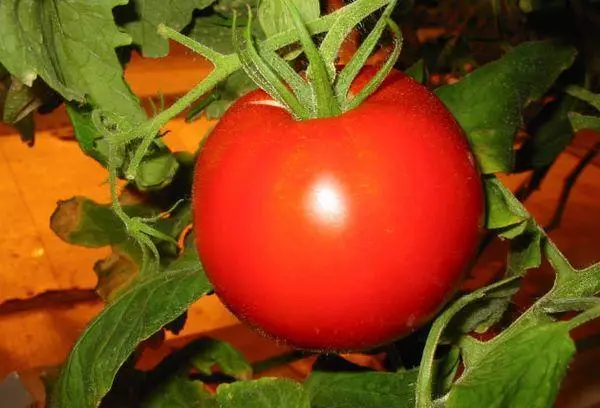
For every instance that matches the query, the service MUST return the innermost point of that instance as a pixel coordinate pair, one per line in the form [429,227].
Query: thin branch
[153,126]
[193,45]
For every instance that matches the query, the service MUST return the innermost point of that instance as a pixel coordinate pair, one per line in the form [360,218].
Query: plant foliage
[496,92]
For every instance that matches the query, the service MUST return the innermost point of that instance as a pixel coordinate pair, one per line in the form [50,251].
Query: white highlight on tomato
[326,202]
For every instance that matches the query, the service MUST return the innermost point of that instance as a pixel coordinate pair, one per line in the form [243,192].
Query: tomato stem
[319,78]
[380,76]
[358,60]
[263,75]
[324,93]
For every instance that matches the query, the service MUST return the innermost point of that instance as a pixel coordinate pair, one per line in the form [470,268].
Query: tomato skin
[338,233]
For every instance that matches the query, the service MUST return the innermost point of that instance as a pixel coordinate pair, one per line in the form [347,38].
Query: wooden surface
[46,285]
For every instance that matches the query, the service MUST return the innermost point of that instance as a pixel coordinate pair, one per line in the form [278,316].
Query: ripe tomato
[338,233]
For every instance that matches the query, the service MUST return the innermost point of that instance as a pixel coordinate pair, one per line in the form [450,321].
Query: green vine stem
[380,76]
[265,76]
[137,227]
[225,65]
[353,67]
[572,287]
[424,387]
[317,73]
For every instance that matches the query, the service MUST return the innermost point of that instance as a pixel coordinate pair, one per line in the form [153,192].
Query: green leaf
[175,14]
[417,71]
[424,387]
[480,315]
[115,333]
[227,8]
[84,222]
[571,283]
[116,272]
[20,102]
[263,393]
[90,140]
[504,212]
[584,95]
[214,31]
[81,221]
[234,87]
[363,389]
[493,150]
[17,103]
[274,18]
[581,122]
[551,138]
[71,46]
[488,102]
[216,109]
[445,371]
[570,304]
[179,218]
[522,371]
[525,251]
[213,352]
[49,377]
[180,392]
[157,169]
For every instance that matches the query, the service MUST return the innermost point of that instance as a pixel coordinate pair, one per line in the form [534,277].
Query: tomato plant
[337,207]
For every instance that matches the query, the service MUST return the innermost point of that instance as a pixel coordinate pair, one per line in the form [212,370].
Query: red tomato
[338,233]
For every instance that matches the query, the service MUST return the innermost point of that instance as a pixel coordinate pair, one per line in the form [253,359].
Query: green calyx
[322,92]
